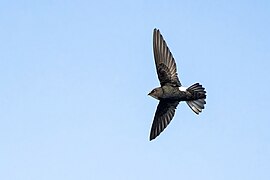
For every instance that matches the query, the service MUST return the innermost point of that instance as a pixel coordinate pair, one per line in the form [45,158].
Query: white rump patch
[182,88]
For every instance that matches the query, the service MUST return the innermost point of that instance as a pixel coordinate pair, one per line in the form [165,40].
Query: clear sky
[75,75]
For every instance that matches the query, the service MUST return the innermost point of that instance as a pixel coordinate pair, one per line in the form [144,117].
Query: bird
[171,92]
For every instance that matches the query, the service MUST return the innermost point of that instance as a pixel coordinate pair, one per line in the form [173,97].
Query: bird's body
[171,92]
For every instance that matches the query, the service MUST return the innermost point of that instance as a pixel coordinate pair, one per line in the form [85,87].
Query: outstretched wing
[163,116]
[165,63]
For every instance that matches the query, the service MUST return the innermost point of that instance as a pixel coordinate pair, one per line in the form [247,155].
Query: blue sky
[75,76]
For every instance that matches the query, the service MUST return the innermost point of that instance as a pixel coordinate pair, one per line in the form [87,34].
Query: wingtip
[156,30]
[152,135]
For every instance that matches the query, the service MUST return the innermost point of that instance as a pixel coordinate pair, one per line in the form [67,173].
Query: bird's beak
[150,94]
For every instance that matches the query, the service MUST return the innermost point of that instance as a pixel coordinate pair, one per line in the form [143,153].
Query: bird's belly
[179,96]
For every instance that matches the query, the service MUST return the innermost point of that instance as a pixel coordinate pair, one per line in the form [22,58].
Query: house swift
[171,92]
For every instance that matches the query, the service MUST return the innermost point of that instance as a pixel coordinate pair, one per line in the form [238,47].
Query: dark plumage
[171,91]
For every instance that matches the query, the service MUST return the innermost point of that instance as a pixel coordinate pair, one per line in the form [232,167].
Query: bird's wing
[163,116]
[165,63]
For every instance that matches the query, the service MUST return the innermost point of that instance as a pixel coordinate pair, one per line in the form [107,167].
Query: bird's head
[156,93]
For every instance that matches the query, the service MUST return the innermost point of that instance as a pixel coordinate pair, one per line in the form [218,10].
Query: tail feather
[199,94]
[194,107]
[198,104]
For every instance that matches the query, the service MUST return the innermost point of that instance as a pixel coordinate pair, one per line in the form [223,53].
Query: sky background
[74,79]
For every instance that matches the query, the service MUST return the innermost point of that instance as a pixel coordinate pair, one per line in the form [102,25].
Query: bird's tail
[199,95]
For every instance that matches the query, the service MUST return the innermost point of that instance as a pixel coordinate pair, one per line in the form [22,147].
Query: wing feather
[163,116]
[165,63]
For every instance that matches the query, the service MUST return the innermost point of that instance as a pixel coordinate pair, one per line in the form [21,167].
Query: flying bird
[171,92]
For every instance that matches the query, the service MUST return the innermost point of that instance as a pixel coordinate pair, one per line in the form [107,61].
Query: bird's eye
[153,91]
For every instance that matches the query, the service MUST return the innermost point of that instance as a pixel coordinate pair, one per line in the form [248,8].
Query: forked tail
[199,94]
